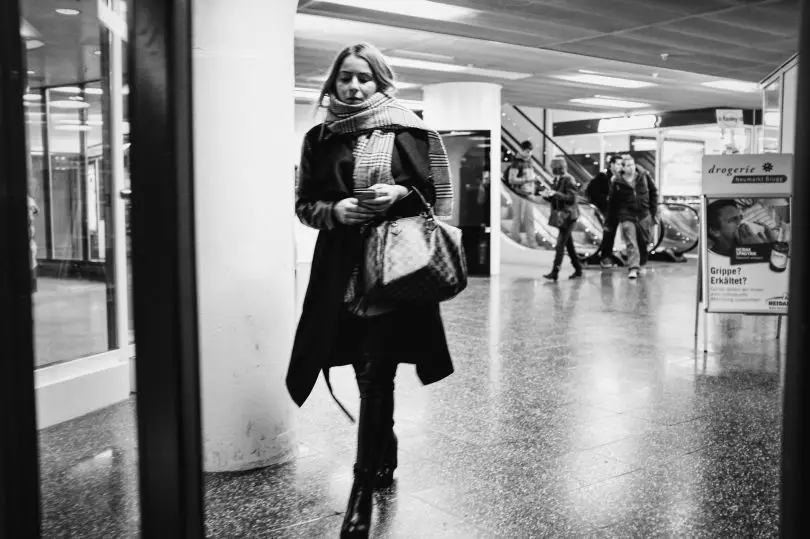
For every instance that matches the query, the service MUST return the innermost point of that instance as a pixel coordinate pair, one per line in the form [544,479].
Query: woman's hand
[387,195]
[349,212]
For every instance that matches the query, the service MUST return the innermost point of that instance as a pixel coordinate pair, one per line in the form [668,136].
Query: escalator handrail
[697,216]
[580,168]
[596,211]
[547,177]
[513,145]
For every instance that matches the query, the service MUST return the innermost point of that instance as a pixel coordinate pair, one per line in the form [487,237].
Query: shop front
[669,145]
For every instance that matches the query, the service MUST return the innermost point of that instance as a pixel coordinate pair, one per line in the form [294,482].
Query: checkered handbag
[414,260]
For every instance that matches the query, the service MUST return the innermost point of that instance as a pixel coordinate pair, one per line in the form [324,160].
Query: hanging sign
[745,232]
[729,118]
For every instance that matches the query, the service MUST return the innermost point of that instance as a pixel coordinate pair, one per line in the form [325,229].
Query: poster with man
[746,233]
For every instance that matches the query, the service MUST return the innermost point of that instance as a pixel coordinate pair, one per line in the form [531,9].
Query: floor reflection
[578,409]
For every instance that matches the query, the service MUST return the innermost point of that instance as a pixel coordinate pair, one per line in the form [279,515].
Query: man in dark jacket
[633,204]
[598,192]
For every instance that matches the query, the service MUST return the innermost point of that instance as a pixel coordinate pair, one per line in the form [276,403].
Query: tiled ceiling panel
[319,38]
[746,38]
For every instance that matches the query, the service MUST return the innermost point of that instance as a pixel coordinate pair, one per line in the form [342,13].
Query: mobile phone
[365,194]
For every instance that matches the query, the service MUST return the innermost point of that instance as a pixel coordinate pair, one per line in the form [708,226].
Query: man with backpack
[522,179]
[633,206]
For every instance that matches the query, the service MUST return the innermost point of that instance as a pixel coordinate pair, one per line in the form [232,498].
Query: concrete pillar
[244,154]
[472,106]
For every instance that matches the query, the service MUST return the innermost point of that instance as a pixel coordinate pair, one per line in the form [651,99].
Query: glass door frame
[19,442]
[168,407]
[72,388]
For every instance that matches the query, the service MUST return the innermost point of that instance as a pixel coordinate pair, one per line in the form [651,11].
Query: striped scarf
[377,119]
[375,122]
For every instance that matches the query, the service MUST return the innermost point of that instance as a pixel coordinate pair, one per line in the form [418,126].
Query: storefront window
[74,111]
[771,117]
[70,185]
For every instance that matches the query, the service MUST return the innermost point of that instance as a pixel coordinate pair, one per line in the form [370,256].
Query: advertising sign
[745,239]
[729,118]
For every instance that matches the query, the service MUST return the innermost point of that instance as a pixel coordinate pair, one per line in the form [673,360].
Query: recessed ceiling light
[425,64]
[423,55]
[732,85]
[68,12]
[423,9]
[97,52]
[456,68]
[32,97]
[32,72]
[602,80]
[72,90]
[73,128]
[68,104]
[600,101]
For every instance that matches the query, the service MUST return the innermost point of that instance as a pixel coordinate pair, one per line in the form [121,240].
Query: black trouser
[375,369]
[565,241]
[608,240]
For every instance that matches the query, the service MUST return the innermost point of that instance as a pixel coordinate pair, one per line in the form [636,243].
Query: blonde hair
[382,72]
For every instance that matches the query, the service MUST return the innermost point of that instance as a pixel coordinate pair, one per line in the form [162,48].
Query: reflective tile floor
[578,409]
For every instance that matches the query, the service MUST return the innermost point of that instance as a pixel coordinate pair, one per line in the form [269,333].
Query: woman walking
[564,215]
[362,164]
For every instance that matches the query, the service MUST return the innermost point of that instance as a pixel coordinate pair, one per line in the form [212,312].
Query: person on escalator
[598,192]
[522,179]
[633,205]
[564,215]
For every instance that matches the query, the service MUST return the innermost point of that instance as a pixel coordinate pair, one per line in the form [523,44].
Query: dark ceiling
[740,39]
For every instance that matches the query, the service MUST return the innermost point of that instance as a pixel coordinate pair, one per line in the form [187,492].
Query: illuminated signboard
[628,123]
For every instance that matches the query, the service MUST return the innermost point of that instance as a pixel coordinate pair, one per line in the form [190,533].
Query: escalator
[532,240]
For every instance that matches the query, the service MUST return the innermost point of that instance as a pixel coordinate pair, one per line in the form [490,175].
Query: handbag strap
[428,207]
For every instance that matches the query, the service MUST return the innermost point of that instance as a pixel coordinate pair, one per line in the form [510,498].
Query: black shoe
[576,275]
[357,521]
[385,476]
[551,276]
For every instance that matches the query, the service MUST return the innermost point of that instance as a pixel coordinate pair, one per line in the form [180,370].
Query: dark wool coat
[321,340]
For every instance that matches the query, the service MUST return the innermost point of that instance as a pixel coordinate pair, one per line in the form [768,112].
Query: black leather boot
[385,476]
[373,428]
[577,274]
[553,275]
[357,521]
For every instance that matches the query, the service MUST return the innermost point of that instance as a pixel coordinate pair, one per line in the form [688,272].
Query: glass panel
[771,117]
[86,420]
[469,155]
